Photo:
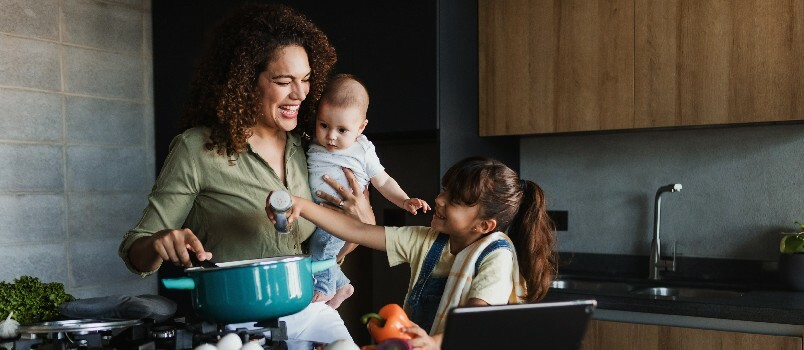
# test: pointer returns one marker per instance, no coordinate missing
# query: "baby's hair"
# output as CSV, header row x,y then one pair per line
x,y
518,206
346,90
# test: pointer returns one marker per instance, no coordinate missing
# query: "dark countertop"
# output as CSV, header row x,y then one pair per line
x,y
763,298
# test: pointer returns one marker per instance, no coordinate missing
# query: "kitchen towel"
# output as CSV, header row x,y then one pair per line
x,y
155,307
460,279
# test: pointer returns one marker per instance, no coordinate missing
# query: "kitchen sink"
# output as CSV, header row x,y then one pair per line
x,y
588,285
687,292
641,289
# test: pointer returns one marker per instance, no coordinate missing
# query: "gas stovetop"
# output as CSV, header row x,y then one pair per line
x,y
90,334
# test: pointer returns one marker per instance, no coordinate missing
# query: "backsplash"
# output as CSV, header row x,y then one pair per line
x,y
742,187
76,140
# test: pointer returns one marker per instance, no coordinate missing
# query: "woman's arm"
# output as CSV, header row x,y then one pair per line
x,y
157,236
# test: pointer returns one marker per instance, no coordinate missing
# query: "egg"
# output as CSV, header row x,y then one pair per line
x,y
206,346
251,345
230,341
342,344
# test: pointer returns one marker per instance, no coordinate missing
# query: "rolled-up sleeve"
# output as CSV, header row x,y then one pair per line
x,y
170,201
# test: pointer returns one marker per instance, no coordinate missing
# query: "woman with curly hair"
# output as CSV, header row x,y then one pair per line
x,y
257,87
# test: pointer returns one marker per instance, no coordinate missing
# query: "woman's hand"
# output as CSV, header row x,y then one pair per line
x,y
422,340
355,201
174,245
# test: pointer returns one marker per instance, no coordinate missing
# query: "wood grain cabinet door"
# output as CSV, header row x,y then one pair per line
x,y
604,335
705,62
549,66
555,66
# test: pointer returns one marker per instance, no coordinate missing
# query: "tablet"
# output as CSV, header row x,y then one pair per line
x,y
554,325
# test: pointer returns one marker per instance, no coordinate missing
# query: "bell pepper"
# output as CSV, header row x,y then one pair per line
x,y
388,323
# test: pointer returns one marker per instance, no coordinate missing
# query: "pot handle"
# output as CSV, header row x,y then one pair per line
x,y
179,283
322,265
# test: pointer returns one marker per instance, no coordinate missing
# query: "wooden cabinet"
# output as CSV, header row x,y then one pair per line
x,y
559,66
619,335
555,66
718,62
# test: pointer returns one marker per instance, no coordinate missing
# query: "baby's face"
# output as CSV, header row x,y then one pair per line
x,y
337,128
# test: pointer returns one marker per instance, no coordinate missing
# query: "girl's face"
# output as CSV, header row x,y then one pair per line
x,y
283,86
455,219
337,128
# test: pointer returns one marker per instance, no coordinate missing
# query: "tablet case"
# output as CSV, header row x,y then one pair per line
x,y
554,325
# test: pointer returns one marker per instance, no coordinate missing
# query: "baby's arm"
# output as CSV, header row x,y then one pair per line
x,y
390,189
338,224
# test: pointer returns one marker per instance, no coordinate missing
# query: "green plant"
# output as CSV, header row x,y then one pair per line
x,y
793,243
31,300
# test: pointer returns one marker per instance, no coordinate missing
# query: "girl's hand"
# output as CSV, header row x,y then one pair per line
x,y
177,245
292,214
355,201
414,204
422,340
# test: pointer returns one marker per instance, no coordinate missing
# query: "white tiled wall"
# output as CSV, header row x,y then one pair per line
x,y
76,140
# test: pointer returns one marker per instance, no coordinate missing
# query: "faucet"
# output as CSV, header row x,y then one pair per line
x,y
656,245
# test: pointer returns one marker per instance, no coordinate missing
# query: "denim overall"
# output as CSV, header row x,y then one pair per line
x,y
426,294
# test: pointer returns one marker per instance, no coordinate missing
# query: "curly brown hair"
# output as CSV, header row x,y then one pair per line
x,y
224,94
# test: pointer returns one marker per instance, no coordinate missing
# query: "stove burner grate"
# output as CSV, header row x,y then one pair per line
x,y
108,334
78,334
141,335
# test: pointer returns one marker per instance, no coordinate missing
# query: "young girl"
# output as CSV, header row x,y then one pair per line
x,y
464,258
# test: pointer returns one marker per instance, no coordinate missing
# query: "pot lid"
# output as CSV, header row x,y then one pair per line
x,y
85,325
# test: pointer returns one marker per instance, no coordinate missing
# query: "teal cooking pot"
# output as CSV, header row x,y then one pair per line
x,y
251,290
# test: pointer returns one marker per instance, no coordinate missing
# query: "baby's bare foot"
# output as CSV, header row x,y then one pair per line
x,y
318,296
340,295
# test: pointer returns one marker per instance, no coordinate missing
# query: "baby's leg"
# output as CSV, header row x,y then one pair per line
x,y
344,288
322,247
319,296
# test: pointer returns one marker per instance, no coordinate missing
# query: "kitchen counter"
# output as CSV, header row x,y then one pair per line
x,y
755,305
761,298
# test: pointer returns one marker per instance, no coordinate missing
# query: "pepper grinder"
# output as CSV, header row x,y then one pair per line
x,y
280,202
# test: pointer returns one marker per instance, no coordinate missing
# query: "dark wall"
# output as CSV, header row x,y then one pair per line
x,y
391,45
458,89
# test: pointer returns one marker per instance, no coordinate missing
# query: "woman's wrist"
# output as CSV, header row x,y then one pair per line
x,y
142,257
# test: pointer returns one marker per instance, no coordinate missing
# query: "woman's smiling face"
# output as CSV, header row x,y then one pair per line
x,y
283,86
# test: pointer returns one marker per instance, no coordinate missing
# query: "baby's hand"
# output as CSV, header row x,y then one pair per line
x,y
414,204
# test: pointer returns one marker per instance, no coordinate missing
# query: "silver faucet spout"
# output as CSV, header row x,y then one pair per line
x,y
656,243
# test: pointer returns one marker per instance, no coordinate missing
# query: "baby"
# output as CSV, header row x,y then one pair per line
x,y
338,143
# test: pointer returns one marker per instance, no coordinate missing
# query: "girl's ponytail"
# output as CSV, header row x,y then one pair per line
x,y
532,234
516,204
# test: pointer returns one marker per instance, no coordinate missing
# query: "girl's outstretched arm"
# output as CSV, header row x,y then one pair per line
x,y
338,224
